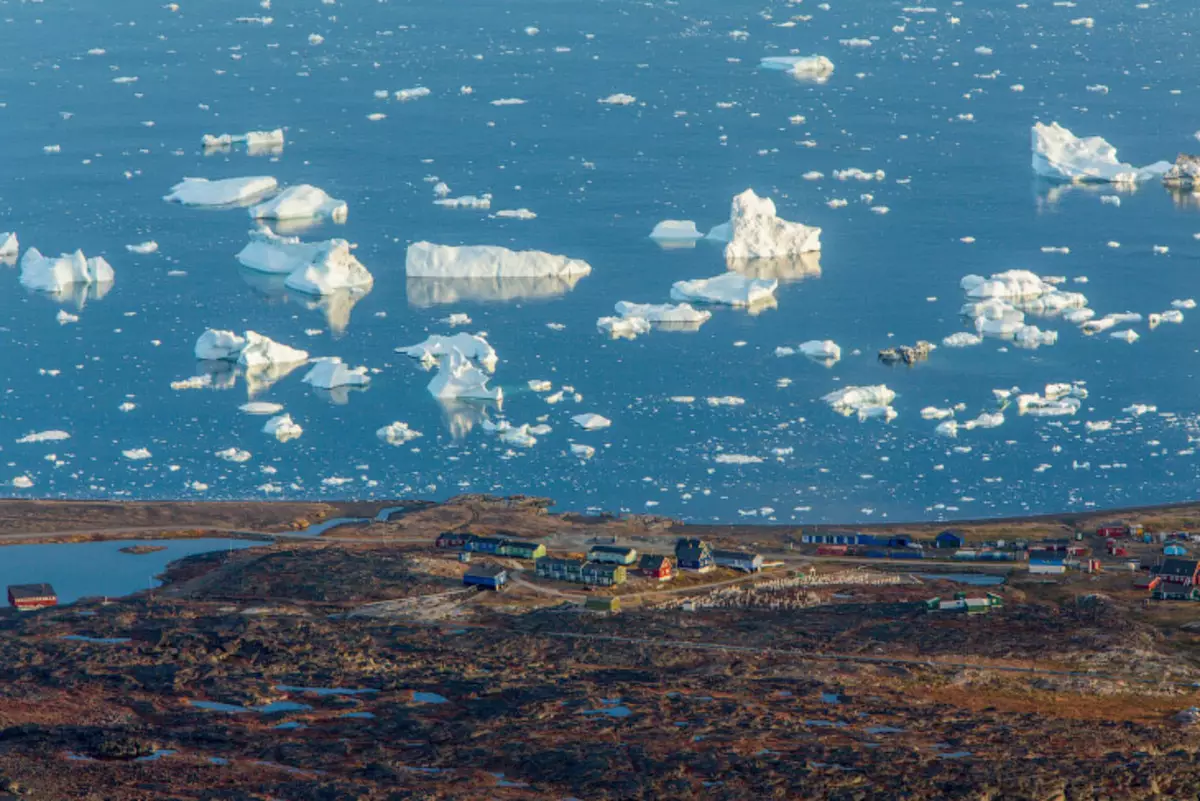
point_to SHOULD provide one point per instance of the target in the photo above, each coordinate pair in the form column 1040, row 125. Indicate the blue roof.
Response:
column 1047, row 560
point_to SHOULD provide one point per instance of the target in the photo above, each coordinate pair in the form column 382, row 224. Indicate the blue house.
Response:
column 739, row 560
column 839, row 538
column 1174, row 550
column 694, row 555
column 949, row 539
column 490, row 577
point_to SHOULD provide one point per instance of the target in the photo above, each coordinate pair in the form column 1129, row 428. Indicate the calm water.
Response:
column 82, row 569
column 708, row 124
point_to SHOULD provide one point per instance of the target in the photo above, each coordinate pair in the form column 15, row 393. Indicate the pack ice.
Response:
column 59, row 274
column 329, row 372
column 731, row 289
column 813, row 68
column 427, row 260
column 756, row 232
column 472, row 346
column 458, row 377
column 301, row 202
column 225, row 192
column 1059, row 154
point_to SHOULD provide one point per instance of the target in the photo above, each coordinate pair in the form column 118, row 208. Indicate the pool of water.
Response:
column 429, row 698
column 88, row 569
column 101, row 118
column 976, row 579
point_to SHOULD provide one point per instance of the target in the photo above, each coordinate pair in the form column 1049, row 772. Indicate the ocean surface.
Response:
column 930, row 100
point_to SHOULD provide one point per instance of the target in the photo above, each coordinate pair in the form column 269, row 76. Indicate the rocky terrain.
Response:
column 361, row 669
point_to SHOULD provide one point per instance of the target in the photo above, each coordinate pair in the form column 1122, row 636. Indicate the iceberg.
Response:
column 813, row 68
column 8, row 247
column 458, row 377
column 471, row 346
column 60, row 274
column 1184, row 174
column 261, row 407
column 676, row 230
column 283, row 428
column 301, row 202
column 590, row 421
column 226, row 192
column 257, row 142
column 731, row 289
column 756, row 232
column 1048, row 405
column 623, row 327
column 1059, row 154
column 397, row 433
column 866, row 402
column 44, row 436
column 216, row 345
column 427, row 260
column 666, row 315
column 329, row 372
column 619, row 99
column 264, row 353
column 268, row 252
column 333, row 269
column 1012, row 284
column 825, row 350
column 961, row 339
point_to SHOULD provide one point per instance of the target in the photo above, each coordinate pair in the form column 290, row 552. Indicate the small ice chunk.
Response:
column 825, row 350
column 473, row 346
column 665, row 314
column 676, row 230
column 22, row 482
column 136, row 454
column 264, row 353
column 397, row 433
column 865, row 401
column 261, row 407
column 591, row 421
column 458, row 377
column 582, row 451
column 235, row 455
column 515, row 214
column 457, row 318
column 53, row 435
column 623, row 327
column 8, row 246
column 1187, row 303
column 935, row 413
column 1128, row 335
column 300, row 203
column 283, row 428
column 961, row 339
column 256, row 141
column 315, row 38
column 619, row 99
column 855, row 174
column 465, row 202
column 226, row 192
column 540, row 385
column 329, row 372
column 416, row 92
column 737, row 458
column 1096, row 426
column 725, row 400
column 64, row 317
column 218, row 345
column 144, row 248
column 812, row 68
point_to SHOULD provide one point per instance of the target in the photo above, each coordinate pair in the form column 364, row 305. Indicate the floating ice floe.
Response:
column 866, row 402
column 312, row 268
column 57, row 275
column 619, row 99
column 1172, row 316
column 1138, row 409
column 44, row 436
column 64, row 317
column 1096, row 426
column 283, row 428
column 1109, row 321
column 465, row 202
column 591, row 421
column 472, row 346
column 730, row 289
column 257, row 142
column 582, row 451
column 264, row 353
column 961, row 339
column 757, row 232
column 143, row 248
column 404, row 95
column 427, row 260
column 676, row 231
column 397, row 433
column 218, row 345
column 1184, row 173
column 665, row 315
column 811, row 68
column 1187, row 303
column 1059, row 154
column 521, row 436
column 1128, row 335
column 855, row 174
column 9, row 247
column 22, row 482
column 825, row 351
column 261, row 407
column 623, row 327
column 724, row 400
column 936, row 413
column 737, row 458
column 301, row 202
column 136, row 454
column 329, row 372
column 458, row 377
column 1052, row 404
column 235, row 455
column 225, row 192
column 515, row 214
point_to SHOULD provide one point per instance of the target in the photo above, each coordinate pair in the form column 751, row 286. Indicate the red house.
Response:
column 1181, row 572
column 452, row 539
column 1113, row 530
column 31, row 596
column 655, row 566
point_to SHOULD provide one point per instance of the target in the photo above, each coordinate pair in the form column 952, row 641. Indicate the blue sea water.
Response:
column 708, row 123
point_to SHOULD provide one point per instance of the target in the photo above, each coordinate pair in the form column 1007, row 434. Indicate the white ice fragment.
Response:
column 737, row 458
column 329, row 372
column 1059, row 154
column 1095, row 426
column 824, row 350
column 472, row 346
column 22, row 482
column 256, row 141
column 1187, row 303
column 8, row 246
column 619, row 99
column 855, row 174
column 1172, row 316
column 235, row 455
column 195, row 382
column 315, row 38
column 136, row 454
column 582, row 451
column 508, row 101
column 483, row 202
column 458, row 318
column 264, row 353
column 1160, row 250
column 301, row 202
column 934, row 413
column 983, row 51
column 64, row 317
column 217, row 345
column 333, row 269
column 144, row 248
column 1111, row 200
column 261, row 407
column 416, row 92
column 676, row 230
column 458, row 377
column 226, row 192
column 591, row 421
column 397, row 433
column 725, row 400
column 623, row 327
column 856, row 42
column 283, row 428
column 811, row 68
column 865, row 401
column 1138, row 409
column 427, row 260
column 44, row 436
column 961, row 339
column 757, row 232
column 58, row 274
column 1128, row 335
column 666, row 315
column 949, row 428
column 731, row 289
column 515, row 214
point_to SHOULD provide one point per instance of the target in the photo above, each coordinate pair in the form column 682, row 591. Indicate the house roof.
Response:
column 601, row 567
column 654, row 561
column 743, row 555
column 1177, row 567
column 1047, row 560
column 557, row 560
column 487, row 571
column 617, row 549
column 30, row 591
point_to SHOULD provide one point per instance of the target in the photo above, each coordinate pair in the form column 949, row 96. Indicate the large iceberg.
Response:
column 472, row 346
column 427, row 260
column 314, row 268
column 329, row 372
column 226, row 192
column 1059, row 154
column 60, row 274
column 268, row 252
column 812, row 68
column 756, row 232
column 731, row 289
column 458, row 377
column 301, row 202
